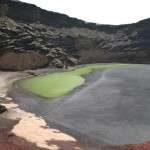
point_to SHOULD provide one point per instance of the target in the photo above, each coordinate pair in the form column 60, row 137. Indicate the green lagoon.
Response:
column 59, row 84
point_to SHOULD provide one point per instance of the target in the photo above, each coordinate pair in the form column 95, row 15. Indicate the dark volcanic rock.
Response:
column 2, row 109
column 25, row 28
column 56, row 62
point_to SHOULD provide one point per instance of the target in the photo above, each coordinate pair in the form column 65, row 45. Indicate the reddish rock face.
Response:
column 142, row 146
column 22, row 61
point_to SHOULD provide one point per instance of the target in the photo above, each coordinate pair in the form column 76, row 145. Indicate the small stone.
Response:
column 11, row 134
column 8, row 98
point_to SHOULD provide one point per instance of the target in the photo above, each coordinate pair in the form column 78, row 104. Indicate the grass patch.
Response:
column 59, row 84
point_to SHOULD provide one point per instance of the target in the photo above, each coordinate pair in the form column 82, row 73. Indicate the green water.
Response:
column 59, row 84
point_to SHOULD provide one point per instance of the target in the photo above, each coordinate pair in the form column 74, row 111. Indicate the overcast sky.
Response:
column 99, row 11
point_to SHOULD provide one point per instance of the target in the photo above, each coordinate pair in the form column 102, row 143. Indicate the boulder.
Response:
column 2, row 109
column 56, row 62
column 30, row 72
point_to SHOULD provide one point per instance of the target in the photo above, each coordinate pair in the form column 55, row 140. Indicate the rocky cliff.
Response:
column 31, row 37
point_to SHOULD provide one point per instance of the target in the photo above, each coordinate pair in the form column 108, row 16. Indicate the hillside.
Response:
column 32, row 37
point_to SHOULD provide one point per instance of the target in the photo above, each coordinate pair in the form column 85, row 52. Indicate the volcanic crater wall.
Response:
column 31, row 37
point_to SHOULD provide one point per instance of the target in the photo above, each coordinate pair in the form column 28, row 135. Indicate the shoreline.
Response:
column 21, row 118
column 15, row 109
column 15, row 114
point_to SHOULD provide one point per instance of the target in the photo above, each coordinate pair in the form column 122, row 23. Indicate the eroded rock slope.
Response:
column 31, row 37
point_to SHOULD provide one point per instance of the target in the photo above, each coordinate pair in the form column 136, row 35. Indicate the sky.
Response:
column 113, row 12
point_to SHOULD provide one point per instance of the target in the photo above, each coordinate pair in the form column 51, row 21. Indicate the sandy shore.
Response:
column 27, row 126
column 21, row 130
column 8, row 139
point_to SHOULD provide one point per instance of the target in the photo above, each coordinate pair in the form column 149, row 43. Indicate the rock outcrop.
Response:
column 36, row 37
column 22, row 61
column 2, row 109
